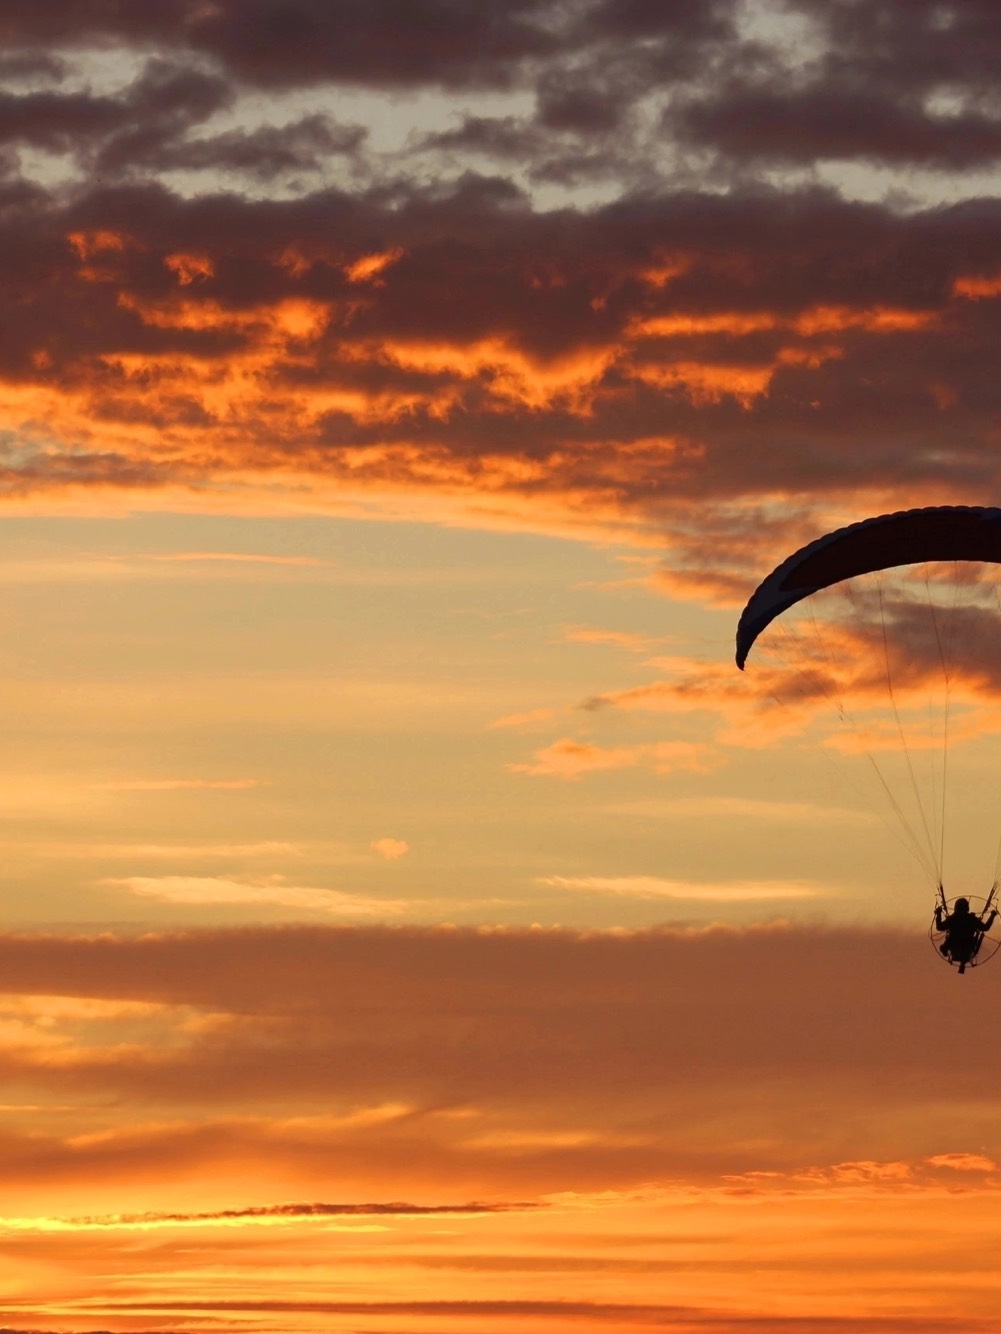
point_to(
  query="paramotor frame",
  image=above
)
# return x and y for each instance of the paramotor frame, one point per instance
(989, 942)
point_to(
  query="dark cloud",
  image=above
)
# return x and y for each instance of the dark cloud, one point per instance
(580, 109)
(295, 42)
(396, 1208)
(305, 145)
(158, 109)
(923, 46)
(423, 324)
(847, 123)
(31, 66)
(862, 89)
(740, 345)
(688, 23)
(859, 90)
(55, 121)
(497, 136)
(389, 41)
(382, 42)
(111, 133)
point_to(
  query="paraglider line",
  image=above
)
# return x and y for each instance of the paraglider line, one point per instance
(903, 831)
(903, 739)
(908, 838)
(947, 677)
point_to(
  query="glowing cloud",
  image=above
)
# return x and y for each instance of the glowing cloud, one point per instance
(391, 849)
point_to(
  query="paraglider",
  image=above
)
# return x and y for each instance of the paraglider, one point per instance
(931, 538)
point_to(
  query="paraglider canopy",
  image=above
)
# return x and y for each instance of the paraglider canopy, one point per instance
(909, 537)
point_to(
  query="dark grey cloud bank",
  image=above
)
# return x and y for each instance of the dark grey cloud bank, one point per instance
(805, 343)
(864, 76)
(738, 330)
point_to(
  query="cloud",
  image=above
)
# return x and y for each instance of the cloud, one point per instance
(235, 557)
(306, 145)
(530, 719)
(651, 314)
(292, 1015)
(554, 386)
(571, 759)
(390, 848)
(180, 784)
(839, 122)
(661, 360)
(499, 1108)
(655, 887)
(585, 634)
(265, 1215)
(270, 45)
(886, 663)
(203, 891)
(733, 810)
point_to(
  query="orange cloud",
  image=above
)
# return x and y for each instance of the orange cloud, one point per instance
(189, 268)
(218, 1021)
(235, 557)
(96, 242)
(532, 718)
(391, 849)
(570, 759)
(977, 286)
(371, 266)
(814, 320)
(583, 634)
(588, 390)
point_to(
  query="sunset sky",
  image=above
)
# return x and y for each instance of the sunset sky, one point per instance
(413, 922)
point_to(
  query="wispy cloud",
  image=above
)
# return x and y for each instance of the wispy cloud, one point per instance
(571, 759)
(233, 557)
(204, 891)
(631, 642)
(262, 1215)
(180, 851)
(655, 887)
(749, 810)
(530, 720)
(180, 784)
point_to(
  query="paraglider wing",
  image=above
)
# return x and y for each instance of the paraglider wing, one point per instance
(909, 537)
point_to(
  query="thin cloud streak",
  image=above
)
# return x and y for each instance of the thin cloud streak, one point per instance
(264, 1215)
(236, 557)
(180, 784)
(654, 887)
(208, 890)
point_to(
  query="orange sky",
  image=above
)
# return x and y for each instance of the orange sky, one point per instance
(412, 920)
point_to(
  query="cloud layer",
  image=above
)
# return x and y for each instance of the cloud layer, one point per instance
(324, 313)
(505, 1030)
(671, 1112)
